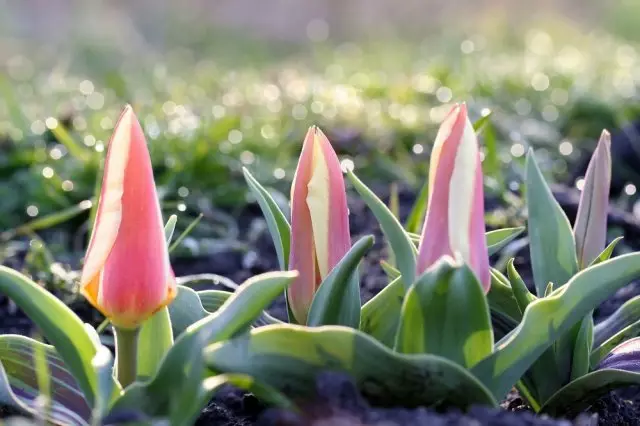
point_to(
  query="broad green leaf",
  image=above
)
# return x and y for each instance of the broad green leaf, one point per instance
(549, 318)
(501, 296)
(607, 252)
(580, 363)
(19, 384)
(551, 243)
(154, 340)
(626, 315)
(502, 324)
(182, 370)
(520, 291)
(445, 313)
(58, 324)
(498, 239)
(288, 357)
(185, 310)
(578, 395)
(337, 300)
(403, 249)
(103, 364)
(419, 209)
(381, 314)
(279, 228)
(212, 300)
(170, 227)
(630, 332)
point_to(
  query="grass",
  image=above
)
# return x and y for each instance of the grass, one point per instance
(212, 108)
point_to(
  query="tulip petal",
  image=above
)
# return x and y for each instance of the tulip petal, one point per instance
(590, 228)
(318, 199)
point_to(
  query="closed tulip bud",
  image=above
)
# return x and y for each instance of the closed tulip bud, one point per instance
(319, 220)
(126, 274)
(455, 217)
(590, 229)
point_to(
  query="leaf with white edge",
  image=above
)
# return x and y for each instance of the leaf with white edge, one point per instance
(404, 250)
(549, 318)
(501, 296)
(215, 279)
(170, 227)
(337, 300)
(288, 357)
(607, 252)
(212, 300)
(625, 356)
(498, 239)
(624, 316)
(58, 324)
(580, 362)
(103, 364)
(185, 310)
(154, 341)
(445, 313)
(19, 384)
(277, 223)
(520, 291)
(551, 242)
(629, 332)
(381, 314)
(183, 369)
(581, 393)
(390, 270)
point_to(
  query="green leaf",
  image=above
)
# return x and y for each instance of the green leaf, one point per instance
(337, 300)
(170, 227)
(520, 291)
(580, 363)
(578, 395)
(215, 279)
(419, 209)
(445, 313)
(403, 249)
(547, 319)
(381, 314)
(279, 228)
(212, 300)
(501, 296)
(186, 232)
(182, 370)
(624, 316)
(553, 249)
(19, 384)
(390, 270)
(607, 252)
(479, 125)
(185, 310)
(48, 221)
(103, 364)
(154, 341)
(498, 239)
(59, 325)
(288, 357)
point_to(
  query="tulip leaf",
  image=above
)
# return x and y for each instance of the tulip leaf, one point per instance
(520, 291)
(551, 242)
(445, 313)
(549, 318)
(580, 362)
(19, 385)
(607, 252)
(103, 364)
(185, 309)
(337, 300)
(186, 232)
(288, 357)
(169, 228)
(624, 316)
(419, 209)
(182, 370)
(501, 297)
(154, 340)
(404, 250)
(58, 324)
(279, 228)
(578, 395)
(498, 239)
(381, 314)
(390, 270)
(212, 300)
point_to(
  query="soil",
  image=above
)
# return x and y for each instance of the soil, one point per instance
(338, 401)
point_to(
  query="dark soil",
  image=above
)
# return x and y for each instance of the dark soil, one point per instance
(338, 401)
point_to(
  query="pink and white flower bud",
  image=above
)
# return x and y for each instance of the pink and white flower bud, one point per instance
(455, 217)
(319, 220)
(126, 274)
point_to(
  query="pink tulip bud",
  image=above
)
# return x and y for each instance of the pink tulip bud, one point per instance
(319, 220)
(126, 274)
(455, 217)
(590, 229)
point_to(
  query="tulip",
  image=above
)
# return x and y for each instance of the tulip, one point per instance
(590, 229)
(455, 216)
(319, 220)
(126, 274)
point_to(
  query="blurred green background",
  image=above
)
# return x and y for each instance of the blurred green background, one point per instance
(226, 84)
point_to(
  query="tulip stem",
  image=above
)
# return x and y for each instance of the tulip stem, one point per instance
(126, 355)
